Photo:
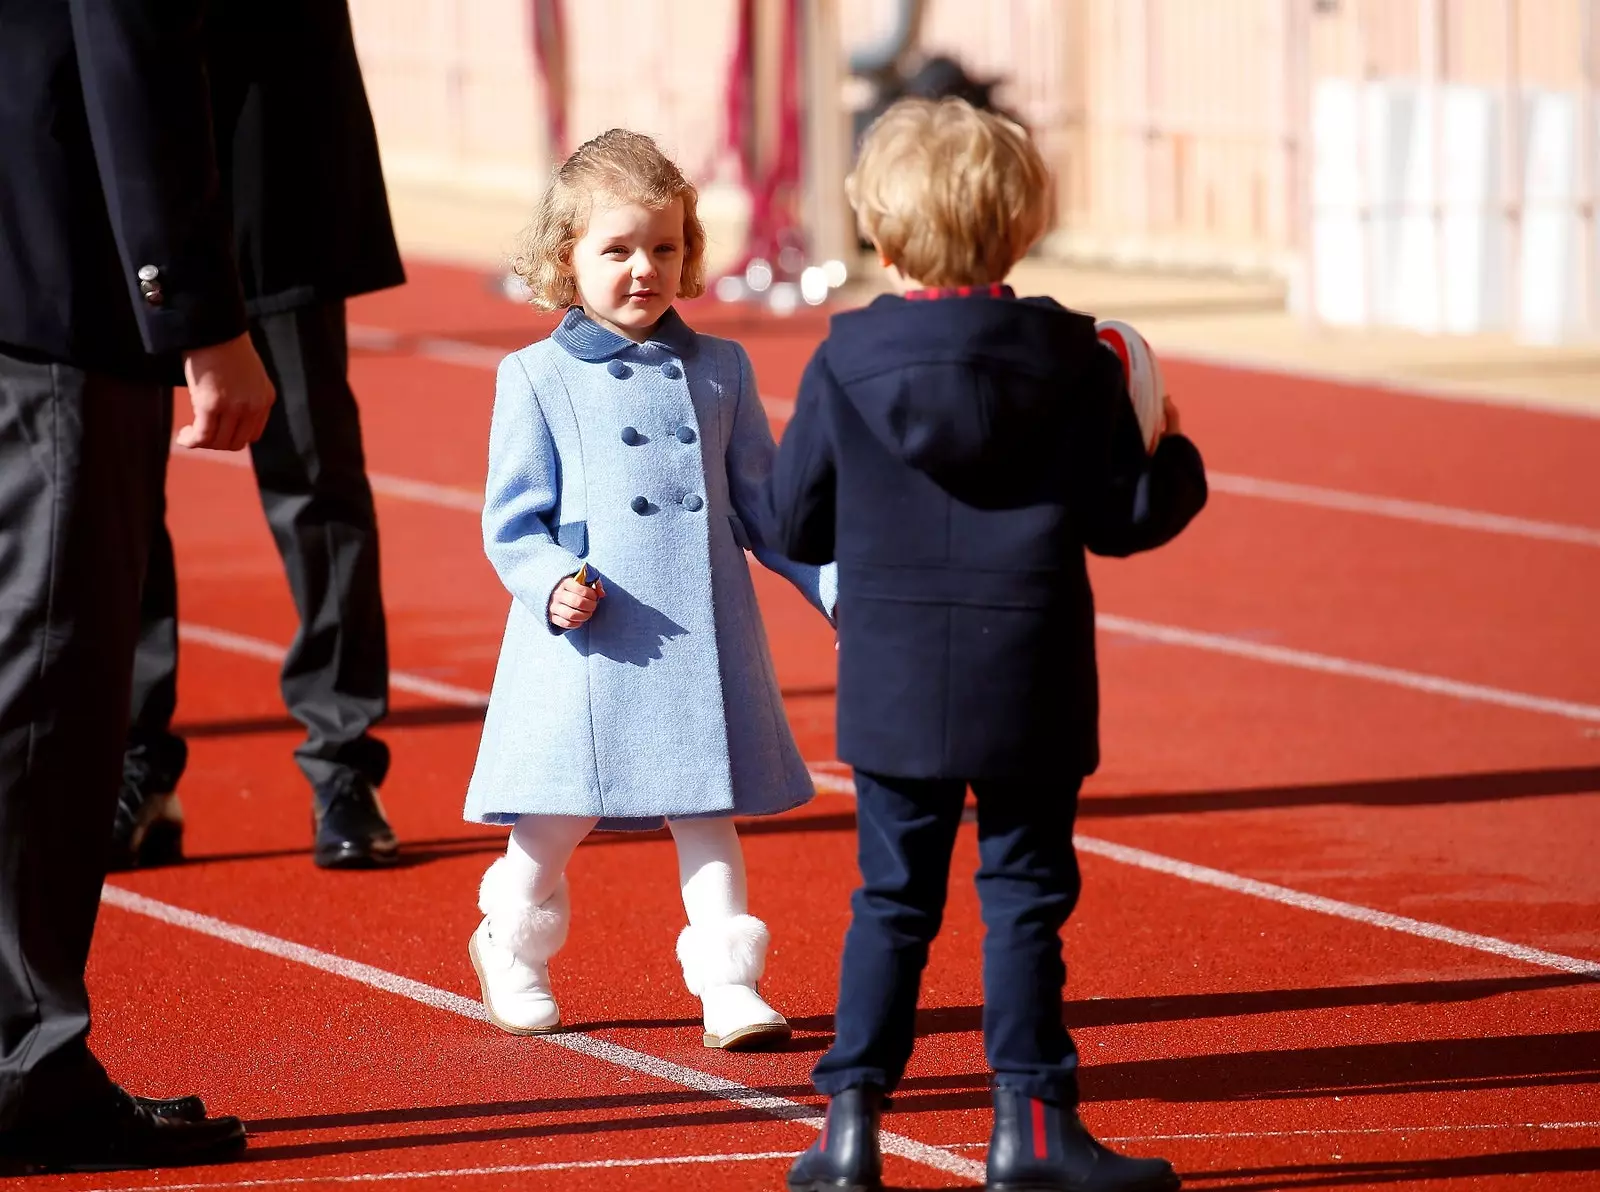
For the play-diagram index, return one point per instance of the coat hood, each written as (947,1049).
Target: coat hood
(964,389)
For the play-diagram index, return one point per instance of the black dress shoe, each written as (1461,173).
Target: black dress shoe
(351,832)
(148,829)
(184,1109)
(845,1156)
(1038,1146)
(117,1134)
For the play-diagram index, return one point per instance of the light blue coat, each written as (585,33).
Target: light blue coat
(647,461)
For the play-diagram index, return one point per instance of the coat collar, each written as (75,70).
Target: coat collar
(582,337)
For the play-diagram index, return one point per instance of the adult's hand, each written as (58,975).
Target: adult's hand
(230,393)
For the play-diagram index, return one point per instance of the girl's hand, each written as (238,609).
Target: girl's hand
(572,603)
(1170,423)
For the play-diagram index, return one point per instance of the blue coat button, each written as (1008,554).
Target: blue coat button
(640,504)
(686,434)
(618,369)
(692,503)
(631,436)
(671,371)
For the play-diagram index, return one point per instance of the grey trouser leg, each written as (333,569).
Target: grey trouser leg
(312,474)
(79,466)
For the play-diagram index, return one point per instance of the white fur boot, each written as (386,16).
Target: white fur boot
(512,947)
(722,961)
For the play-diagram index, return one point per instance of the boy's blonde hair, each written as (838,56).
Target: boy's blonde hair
(952,196)
(619,165)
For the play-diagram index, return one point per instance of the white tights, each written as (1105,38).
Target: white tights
(710,861)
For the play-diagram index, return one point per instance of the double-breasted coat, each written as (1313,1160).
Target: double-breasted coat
(649,462)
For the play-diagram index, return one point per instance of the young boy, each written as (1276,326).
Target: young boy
(956,448)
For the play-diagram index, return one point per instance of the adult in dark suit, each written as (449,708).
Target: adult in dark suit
(300,173)
(116,263)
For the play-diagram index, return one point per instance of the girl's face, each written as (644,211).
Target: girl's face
(628,263)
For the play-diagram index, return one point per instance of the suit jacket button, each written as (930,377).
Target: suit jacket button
(618,369)
(631,436)
(693,503)
(686,434)
(639,504)
(671,371)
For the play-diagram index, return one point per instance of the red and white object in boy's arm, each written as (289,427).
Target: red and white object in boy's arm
(1146,388)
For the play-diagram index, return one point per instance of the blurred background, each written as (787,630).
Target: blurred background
(1426,165)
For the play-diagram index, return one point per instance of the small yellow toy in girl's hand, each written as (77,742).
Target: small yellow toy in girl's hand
(575,599)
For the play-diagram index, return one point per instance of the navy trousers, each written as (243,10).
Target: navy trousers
(1028,884)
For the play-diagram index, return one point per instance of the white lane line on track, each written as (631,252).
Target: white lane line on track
(1329,664)
(835,783)
(1223,880)
(375,1177)
(587,1045)
(1423,512)
(255,647)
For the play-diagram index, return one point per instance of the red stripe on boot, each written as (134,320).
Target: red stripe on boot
(1041,1143)
(827,1116)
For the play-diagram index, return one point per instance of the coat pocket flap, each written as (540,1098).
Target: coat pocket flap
(573,536)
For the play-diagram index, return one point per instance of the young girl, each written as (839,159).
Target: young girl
(627,458)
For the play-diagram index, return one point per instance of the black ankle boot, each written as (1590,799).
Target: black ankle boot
(1038,1146)
(349,826)
(845,1157)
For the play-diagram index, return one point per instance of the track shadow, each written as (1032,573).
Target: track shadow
(1130,1011)
(422,852)
(403,1142)
(412,852)
(1366,1069)
(1394,1171)
(1493,786)
(601,1102)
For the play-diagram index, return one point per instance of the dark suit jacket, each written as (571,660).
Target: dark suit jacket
(298,154)
(956,457)
(106,167)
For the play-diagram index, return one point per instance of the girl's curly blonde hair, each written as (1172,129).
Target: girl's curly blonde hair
(619,165)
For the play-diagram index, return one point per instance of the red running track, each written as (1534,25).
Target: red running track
(1261,1038)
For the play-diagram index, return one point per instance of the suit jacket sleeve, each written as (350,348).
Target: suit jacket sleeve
(751,453)
(523,496)
(142,67)
(801,507)
(1136,501)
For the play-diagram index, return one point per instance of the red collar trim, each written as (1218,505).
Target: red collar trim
(992,290)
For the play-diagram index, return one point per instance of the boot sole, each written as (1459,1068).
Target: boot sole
(831,1186)
(483,988)
(748,1038)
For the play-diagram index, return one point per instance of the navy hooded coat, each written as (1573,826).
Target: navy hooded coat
(956,457)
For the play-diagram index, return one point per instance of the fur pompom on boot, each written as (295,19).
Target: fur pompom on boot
(722,962)
(511,950)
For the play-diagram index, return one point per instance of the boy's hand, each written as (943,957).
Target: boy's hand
(1170,424)
(572,603)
